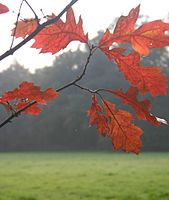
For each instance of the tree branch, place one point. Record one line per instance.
(87, 89)
(36, 17)
(17, 113)
(91, 51)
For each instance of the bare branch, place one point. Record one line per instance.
(92, 49)
(16, 114)
(87, 89)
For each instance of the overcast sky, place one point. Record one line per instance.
(96, 15)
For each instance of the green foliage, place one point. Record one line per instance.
(85, 176)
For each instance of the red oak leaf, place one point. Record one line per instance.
(147, 36)
(3, 8)
(117, 124)
(123, 133)
(32, 110)
(113, 53)
(124, 27)
(50, 94)
(146, 79)
(58, 35)
(150, 35)
(26, 93)
(28, 90)
(97, 117)
(11, 95)
(24, 28)
(125, 24)
(141, 108)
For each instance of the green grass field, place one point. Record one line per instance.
(84, 176)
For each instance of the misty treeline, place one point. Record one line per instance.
(63, 124)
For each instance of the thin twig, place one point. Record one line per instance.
(36, 17)
(44, 16)
(82, 74)
(87, 89)
(16, 24)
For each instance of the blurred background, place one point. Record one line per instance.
(63, 124)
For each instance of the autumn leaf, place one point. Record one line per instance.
(149, 35)
(113, 53)
(141, 108)
(123, 133)
(57, 36)
(146, 79)
(97, 117)
(49, 94)
(117, 124)
(124, 26)
(32, 110)
(28, 92)
(3, 8)
(10, 95)
(24, 28)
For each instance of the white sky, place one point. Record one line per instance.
(97, 15)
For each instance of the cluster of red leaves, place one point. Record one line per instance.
(149, 35)
(54, 37)
(25, 94)
(115, 123)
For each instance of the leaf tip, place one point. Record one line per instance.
(3, 8)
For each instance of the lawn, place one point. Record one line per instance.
(84, 176)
